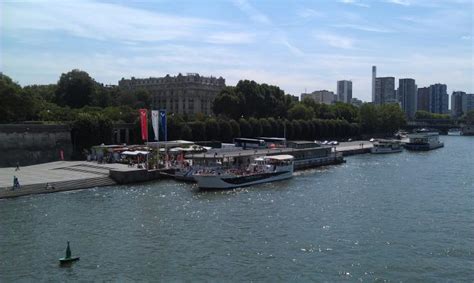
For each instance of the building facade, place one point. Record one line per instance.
(456, 103)
(385, 90)
(467, 102)
(189, 94)
(374, 76)
(407, 92)
(439, 99)
(320, 96)
(344, 91)
(356, 102)
(423, 99)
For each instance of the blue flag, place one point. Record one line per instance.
(162, 127)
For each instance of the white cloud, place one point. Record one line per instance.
(400, 2)
(355, 2)
(363, 28)
(335, 40)
(103, 21)
(231, 38)
(251, 12)
(308, 13)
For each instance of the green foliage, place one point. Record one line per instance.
(387, 118)
(16, 104)
(75, 89)
(55, 113)
(212, 129)
(45, 93)
(186, 133)
(267, 130)
(300, 111)
(256, 127)
(345, 111)
(225, 131)
(245, 128)
(251, 99)
(235, 128)
(469, 117)
(90, 129)
(228, 103)
(424, 115)
(368, 118)
(198, 129)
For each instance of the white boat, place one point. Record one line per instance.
(423, 141)
(263, 170)
(454, 132)
(386, 146)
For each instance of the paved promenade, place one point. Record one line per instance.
(56, 172)
(353, 145)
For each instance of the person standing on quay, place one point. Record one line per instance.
(17, 166)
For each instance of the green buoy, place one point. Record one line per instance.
(68, 258)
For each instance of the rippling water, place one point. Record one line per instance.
(398, 217)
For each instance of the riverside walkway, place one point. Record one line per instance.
(354, 147)
(60, 175)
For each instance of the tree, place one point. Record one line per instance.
(212, 129)
(228, 104)
(225, 131)
(267, 130)
(198, 129)
(391, 118)
(15, 103)
(186, 133)
(245, 128)
(256, 127)
(75, 89)
(235, 129)
(369, 122)
(345, 111)
(469, 117)
(300, 111)
(101, 96)
(89, 130)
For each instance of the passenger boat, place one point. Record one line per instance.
(455, 132)
(386, 146)
(423, 141)
(262, 170)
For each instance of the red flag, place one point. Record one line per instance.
(144, 124)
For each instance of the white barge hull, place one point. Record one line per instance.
(230, 182)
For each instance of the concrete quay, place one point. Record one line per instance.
(354, 147)
(61, 176)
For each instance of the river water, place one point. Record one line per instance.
(397, 217)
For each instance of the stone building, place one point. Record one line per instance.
(439, 99)
(385, 91)
(189, 94)
(320, 96)
(407, 93)
(423, 99)
(344, 91)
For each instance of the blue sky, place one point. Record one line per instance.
(297, 45)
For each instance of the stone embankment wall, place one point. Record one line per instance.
(32, 144)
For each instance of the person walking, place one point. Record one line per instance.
(17, 166)
(16, 183)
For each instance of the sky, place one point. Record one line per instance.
(300, 46)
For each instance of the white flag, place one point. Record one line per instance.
(154, 122)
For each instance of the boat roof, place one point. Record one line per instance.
(280, 157)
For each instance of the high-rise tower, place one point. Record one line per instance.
(374, 75)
